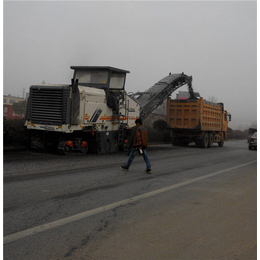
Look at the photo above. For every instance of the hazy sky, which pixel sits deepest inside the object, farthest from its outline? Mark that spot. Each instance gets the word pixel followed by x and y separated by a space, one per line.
pixel 215 42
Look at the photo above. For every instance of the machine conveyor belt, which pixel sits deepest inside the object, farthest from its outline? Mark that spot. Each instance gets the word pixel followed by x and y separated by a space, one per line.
pixel 155 95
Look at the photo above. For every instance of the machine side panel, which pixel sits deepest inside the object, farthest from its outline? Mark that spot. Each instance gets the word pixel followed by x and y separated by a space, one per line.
pixel 211 116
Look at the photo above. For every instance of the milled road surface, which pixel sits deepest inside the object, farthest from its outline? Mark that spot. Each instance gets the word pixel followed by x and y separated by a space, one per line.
pixel 196 204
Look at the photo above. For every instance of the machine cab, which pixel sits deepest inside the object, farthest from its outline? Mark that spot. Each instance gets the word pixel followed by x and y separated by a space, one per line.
pixel 107 78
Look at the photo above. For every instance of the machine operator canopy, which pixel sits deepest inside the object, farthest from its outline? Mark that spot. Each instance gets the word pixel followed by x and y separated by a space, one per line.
pixel 103 77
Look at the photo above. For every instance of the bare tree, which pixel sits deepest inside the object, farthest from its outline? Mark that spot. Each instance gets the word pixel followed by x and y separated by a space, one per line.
pixel 20 108
pixel 253 125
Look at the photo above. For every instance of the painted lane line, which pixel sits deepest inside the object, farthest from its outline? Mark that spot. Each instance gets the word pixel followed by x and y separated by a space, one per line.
pixel 67 220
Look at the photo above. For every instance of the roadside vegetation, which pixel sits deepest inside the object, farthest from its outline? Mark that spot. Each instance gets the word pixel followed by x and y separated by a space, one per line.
pixel 15 134
pixel 159 133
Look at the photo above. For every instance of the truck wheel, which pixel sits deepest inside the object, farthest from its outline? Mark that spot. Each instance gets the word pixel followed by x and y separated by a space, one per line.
pixel 123 147
pixel 84 150
pixel 210 141
pixel 205 140
pixel 66 149
pixel 221 143
pixel 63 148
pixel 40 146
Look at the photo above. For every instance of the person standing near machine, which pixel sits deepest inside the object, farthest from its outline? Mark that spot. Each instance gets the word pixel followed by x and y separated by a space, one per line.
pixel 140 145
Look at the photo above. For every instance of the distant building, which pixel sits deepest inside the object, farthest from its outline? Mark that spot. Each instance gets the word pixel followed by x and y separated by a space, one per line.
pixel 8 106
pixel 9 100
pixel 9 112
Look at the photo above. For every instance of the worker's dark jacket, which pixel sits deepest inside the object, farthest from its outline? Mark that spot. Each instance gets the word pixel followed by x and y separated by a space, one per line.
pixel 141 137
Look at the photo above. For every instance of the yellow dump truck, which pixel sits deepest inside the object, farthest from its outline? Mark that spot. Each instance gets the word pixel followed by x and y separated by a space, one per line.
pixel 197 120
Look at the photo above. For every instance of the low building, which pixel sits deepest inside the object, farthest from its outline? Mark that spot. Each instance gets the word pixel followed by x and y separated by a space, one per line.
pixel 9 112
pixel 9 100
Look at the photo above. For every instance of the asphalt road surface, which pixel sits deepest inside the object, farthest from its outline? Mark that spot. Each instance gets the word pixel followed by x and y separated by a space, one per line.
pixel 196 204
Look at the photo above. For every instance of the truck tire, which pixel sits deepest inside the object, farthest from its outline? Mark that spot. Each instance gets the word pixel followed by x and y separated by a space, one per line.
pixel 123 147
pixel 84 150
pixel 205 140
pixel 210 144
pixel 63 148
pixel 221 143
pixel 40 145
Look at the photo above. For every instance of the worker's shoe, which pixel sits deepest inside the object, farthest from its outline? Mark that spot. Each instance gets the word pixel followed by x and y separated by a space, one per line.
pixel 148 171
pixel 124 167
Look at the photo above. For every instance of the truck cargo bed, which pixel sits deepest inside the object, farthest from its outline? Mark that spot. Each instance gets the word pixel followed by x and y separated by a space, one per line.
pixel 194 114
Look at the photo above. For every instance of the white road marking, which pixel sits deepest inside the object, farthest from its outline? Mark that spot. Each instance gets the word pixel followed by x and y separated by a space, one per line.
pixel 67 220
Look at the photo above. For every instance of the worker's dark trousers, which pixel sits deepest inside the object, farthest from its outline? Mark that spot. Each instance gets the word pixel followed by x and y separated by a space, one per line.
pixel 134 152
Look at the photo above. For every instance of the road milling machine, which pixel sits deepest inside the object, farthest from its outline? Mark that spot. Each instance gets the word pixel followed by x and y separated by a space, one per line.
pixel 94 112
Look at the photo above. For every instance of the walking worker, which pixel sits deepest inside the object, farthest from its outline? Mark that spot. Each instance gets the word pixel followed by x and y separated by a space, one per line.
pixel 140 144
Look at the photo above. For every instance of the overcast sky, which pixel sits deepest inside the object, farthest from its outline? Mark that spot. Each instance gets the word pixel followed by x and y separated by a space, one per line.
pixel 215 42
